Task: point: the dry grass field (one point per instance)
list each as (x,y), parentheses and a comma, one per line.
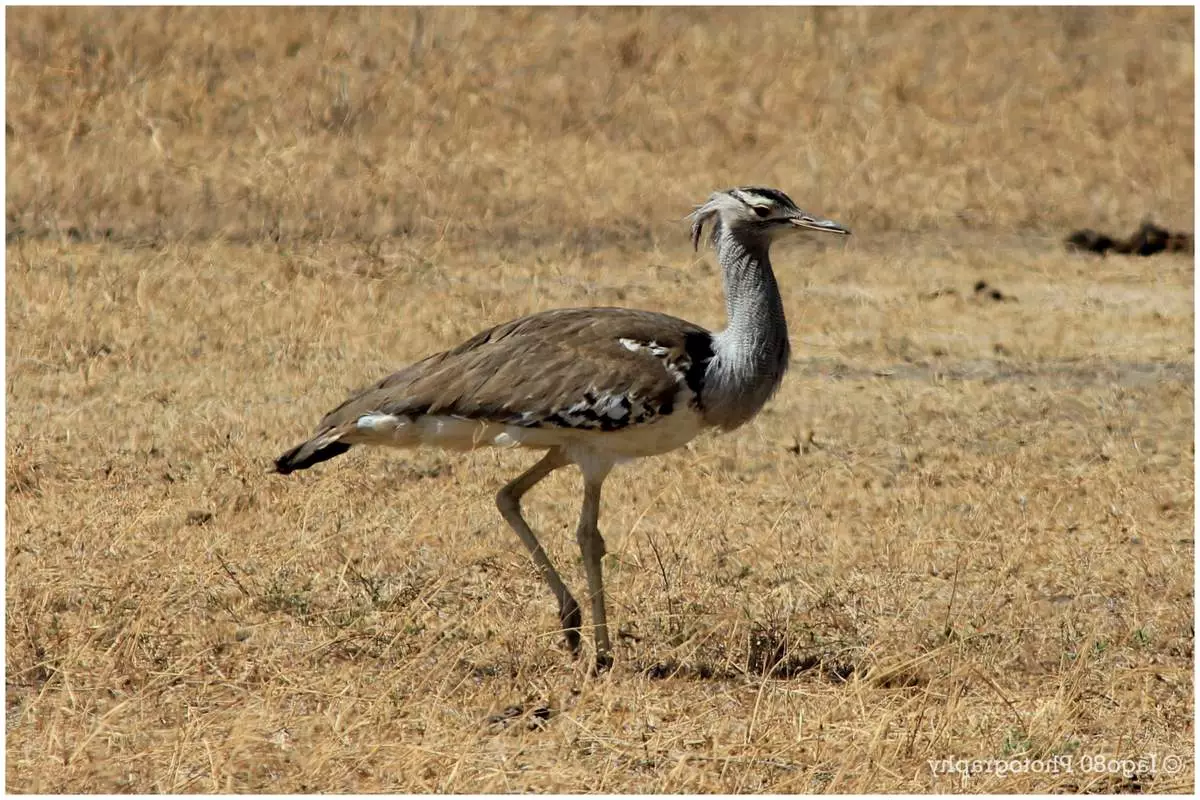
(962,530)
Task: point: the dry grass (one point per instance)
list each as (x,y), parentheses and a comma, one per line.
(963,529)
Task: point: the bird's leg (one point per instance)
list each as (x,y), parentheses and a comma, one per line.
(508,500)
(592,545)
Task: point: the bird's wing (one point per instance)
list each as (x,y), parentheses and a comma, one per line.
(591,368)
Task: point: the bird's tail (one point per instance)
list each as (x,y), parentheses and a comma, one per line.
(321,447)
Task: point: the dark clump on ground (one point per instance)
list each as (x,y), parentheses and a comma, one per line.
(1148,240)
(982,289)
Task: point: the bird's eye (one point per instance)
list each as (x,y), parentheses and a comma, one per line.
(762,211)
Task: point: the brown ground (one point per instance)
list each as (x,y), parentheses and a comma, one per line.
(964,529)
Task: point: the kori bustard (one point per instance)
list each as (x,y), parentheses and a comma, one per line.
(592,386)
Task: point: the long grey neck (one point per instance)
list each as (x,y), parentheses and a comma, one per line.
(751,354)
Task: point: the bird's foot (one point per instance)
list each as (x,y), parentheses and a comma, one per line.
(604,662)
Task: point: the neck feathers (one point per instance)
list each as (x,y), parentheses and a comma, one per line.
(751,355)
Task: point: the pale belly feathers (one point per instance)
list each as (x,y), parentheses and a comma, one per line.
(659,435)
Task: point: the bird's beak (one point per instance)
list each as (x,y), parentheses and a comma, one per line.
(809,222)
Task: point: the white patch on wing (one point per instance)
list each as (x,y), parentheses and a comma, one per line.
(379,423)
(677,369)
(605,405)
(654,347)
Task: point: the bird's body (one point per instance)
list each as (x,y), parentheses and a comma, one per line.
(591,386)
(620,382)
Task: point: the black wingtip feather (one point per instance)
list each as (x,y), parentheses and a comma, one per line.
(305,455)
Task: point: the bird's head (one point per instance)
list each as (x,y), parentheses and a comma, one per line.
(753,212)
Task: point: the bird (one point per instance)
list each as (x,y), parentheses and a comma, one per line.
(593,387)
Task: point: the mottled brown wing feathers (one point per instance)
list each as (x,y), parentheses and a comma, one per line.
(595,368)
